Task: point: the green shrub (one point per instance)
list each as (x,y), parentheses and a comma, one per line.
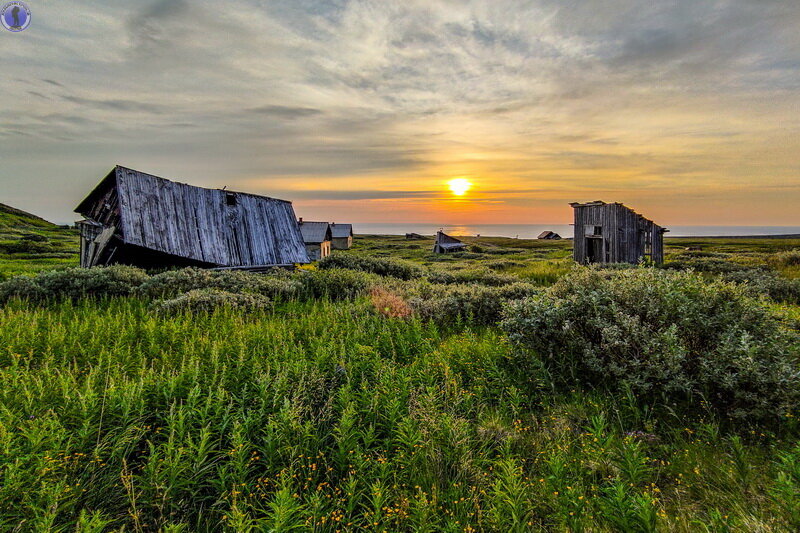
(337,284)
(75,283)
(711,265)
(277,283)
(481,276)
(383,267)
(760,282)
(25,246)
(786,259)
(207,300)
(662,335)
(483,305)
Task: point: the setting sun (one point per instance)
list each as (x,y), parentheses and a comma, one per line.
(459,186)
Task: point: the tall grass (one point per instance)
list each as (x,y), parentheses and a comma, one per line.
(326,416)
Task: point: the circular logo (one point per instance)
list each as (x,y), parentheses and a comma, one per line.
(15,16)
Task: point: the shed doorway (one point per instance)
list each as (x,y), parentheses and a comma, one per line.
(594,250)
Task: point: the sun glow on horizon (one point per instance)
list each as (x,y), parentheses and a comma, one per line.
(459,186)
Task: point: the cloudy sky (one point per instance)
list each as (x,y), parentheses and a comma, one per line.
(363,110)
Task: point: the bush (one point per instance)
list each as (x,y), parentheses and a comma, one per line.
(383,267)
(480,304)
(786,259)
(711,265)
(664,336)
(481,276)
(75,283)
(276,284)
(767,283)
(389,304)
(337,284)
(25,246)
(207,300)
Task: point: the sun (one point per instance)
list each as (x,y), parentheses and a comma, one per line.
(459,186)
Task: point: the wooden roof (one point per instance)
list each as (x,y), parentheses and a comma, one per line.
(598,203)
(339,231)
(315,232)
(220,227)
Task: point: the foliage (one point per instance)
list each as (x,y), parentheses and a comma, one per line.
(481,276)
(74,283)
(761,282)
(671,337)
(389,303)
(786,258)
(199,300)
(383,267)
(337,284)
(474,303)
(277,284)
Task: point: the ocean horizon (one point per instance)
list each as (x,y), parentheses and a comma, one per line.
(531,231)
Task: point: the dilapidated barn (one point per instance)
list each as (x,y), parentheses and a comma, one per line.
(447,244)
(317,238)
(614,233)
(549,236)
(139,219)
(341,236)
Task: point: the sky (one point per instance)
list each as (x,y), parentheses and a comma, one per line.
(364,110)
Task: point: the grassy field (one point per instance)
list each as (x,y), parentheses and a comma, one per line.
(363,401)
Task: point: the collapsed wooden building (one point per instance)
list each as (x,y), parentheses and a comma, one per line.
(317,238)
(614,233)
(549,236)
(446,244)
(139,219)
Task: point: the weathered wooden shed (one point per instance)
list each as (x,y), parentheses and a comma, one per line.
(447,244)
(139,219)
(341,236)
(614,233)
(549,236)
(317,238)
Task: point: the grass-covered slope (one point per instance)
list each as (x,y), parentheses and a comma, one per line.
(30,244)
(11,217)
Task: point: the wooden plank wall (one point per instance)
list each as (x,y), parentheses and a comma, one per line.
(624,234)
(197,223)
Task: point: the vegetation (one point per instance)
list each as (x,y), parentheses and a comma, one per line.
(371,394)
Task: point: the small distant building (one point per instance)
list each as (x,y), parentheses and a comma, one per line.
(549,236)
(139,219)
(414,237)
(317,238)
(446,244)
(341,236)
(614,233)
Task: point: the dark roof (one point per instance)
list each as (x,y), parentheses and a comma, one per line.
(598,203)
(446,241)
(219,227)
(339,231)
(315,232)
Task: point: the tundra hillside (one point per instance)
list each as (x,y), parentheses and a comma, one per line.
(391,389)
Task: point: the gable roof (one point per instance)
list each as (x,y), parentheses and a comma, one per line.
(315,232)
(339,231)
(220,227)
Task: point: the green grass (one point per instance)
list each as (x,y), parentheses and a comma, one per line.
(325,416)
(328,416)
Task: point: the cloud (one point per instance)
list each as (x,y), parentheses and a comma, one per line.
(375,99)
(286,112)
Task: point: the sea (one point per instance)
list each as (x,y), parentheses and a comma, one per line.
(531,231)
